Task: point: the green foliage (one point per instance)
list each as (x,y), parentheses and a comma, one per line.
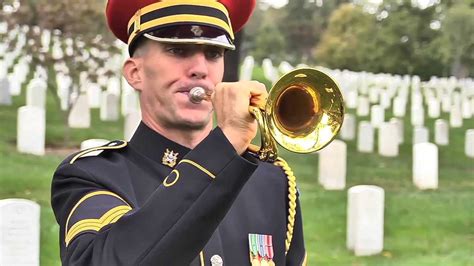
(345,42)
(458,39)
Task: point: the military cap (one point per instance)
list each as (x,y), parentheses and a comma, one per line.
(211,22)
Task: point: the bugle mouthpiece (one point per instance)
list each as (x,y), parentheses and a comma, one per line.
(198,94)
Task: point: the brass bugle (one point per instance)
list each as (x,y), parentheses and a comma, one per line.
(303,113)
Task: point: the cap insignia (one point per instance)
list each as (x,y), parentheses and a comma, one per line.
(197,30)
(169,158)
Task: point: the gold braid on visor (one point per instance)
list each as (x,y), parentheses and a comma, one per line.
(183,21)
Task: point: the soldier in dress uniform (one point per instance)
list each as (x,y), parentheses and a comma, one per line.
(180,192)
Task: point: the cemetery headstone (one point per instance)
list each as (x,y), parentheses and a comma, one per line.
(388,140)
(365,220)
(19,232)
(363,106)
(365,137)
(132,120)
(80,116)
(425,165)
(109,109)
(420,135)
(377,115)
(332,166)
(441,132)
(31,130)
(348,127)
(469,143)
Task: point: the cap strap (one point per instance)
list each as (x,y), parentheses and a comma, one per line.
(166,13)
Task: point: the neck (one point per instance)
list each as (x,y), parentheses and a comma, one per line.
(189,138)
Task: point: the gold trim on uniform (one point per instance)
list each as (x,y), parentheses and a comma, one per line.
(109,217)
(87,196)
(305,261)
(165,182)
(199,167)
(201,257)
(120,145)
(139,27)
(169,158)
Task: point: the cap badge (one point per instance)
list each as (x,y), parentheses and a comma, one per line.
(169,158)
(197,30)
(216,260)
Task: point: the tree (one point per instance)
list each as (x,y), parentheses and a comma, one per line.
(345,42)
(458,40)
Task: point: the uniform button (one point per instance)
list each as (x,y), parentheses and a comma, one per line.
(216,260)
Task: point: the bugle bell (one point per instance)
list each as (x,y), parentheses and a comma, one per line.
(303,113)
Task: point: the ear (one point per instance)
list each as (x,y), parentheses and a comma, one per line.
(132,73)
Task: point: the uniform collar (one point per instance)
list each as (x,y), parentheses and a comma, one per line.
(156,147)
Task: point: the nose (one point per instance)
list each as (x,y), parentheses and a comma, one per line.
(198,67)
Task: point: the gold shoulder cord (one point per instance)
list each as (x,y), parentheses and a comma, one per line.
(291,200)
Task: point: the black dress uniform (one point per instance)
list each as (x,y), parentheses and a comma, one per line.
(154,202)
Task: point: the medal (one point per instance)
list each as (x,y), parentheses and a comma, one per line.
(261,250)
(254,258)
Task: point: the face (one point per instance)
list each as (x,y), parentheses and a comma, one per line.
(169,72)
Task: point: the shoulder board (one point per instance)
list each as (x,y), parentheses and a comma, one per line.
(113,145)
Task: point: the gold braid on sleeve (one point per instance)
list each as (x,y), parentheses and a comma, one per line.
(291,200)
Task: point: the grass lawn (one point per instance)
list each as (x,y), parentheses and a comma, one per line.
(421,227)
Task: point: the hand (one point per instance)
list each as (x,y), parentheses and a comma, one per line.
(231,101)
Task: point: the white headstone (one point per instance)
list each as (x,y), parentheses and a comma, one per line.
(348,127)
(441,134)
(385,100)
(332,166)
(365,220)
(36,93)
(132,120)
(377,115)
(19,232)
(388,140)
(425,165)
(469,144)
(351,99)
(400,128)
(5,96)
(80,116)
(445,103)
(365,137)
(246,70)
(455,117)
(130,102)
(373,95)
(285,67)
(94,94)
(399,107)
(420,135)
(109,109)
(31,130)
(269,71)
(433,108)
(466,109)
(363,106)
(417,116)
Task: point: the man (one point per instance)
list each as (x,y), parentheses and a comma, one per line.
(180,192)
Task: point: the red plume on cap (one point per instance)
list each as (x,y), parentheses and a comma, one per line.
(119,13)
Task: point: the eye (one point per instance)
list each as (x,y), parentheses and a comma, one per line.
(214,53)
(176,51)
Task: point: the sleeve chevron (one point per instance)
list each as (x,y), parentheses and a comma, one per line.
(94,211)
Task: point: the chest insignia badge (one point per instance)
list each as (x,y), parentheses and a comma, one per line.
(261,250)
(169,158)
